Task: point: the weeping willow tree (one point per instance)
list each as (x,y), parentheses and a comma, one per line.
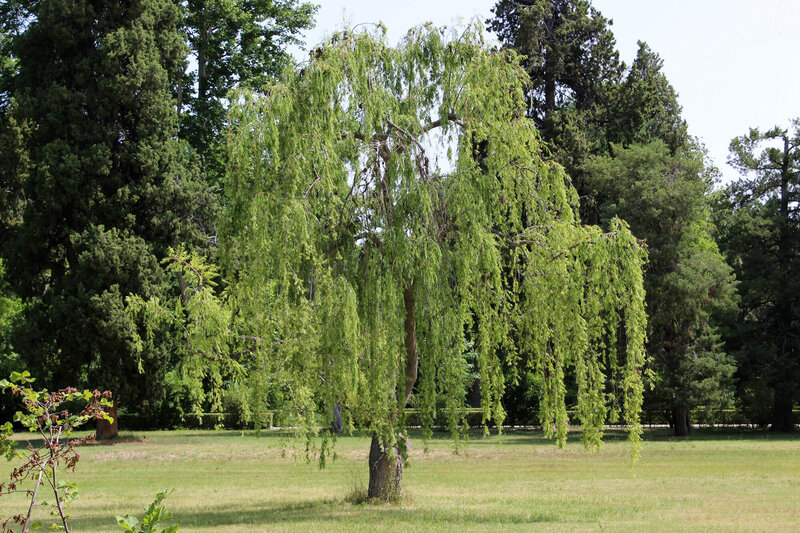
(388,207)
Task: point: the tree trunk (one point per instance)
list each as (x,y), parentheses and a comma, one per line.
(202,59)
(385,471)
(386,462)
(474,394)
(180,95)
(682,421)
(105,429)
(782,416)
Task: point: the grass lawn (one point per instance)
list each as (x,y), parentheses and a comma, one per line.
(226,481)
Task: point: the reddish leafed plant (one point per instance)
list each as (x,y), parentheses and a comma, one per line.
(42,463)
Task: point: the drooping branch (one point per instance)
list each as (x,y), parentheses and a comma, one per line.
(451,117)
(383,137)
(317,178)
(184,288)
(582,243)
(188,264)
(515,242)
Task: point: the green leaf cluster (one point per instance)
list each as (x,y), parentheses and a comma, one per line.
(233,43)
(689,286)
(620,135)
(154,514)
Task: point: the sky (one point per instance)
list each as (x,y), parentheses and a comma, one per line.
(734,63)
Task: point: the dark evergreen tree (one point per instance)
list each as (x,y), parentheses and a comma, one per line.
(569,51)
(7,72)
(645,106)
(689,286)
(106,187)
(570,54)
(759,230)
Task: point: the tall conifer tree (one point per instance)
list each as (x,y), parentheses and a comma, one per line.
(106,186)
(759,229)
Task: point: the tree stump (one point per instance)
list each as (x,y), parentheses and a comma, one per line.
(105,429)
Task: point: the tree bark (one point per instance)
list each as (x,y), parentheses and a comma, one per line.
(108,430)
(782,416)
(682,421)
(385,470)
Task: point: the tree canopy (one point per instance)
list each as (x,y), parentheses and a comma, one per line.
(569,51)
(619,133)
(388,205)
(689,286)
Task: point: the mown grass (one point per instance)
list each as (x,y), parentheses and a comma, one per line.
(226,481)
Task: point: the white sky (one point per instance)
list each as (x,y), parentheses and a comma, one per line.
(734,63)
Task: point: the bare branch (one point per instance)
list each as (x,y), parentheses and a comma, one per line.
(404,132)
(317,177)
(451,117)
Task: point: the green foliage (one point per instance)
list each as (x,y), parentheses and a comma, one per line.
(236,43)
(366,258)
(199,326)
(14,162)
(154,514)
(569,52)
(8,67)
(644,107)
(759,231)
(104,187)
(10,311)
(619,133)
(45,414)
(688,284)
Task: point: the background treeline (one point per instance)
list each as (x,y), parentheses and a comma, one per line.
(113,127)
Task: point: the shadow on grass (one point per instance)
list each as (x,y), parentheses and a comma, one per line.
(510,436)
(329,511)
(23,443)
